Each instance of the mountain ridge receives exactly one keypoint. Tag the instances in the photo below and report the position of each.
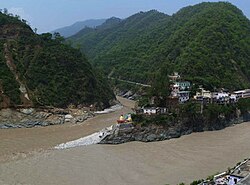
(207, 43)
(70, 30)
(37, 70)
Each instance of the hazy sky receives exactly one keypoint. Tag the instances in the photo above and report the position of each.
(47, 15)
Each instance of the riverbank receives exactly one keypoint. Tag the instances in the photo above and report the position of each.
(137, 131)
(31, 117)
(18, 143)
(184, 159)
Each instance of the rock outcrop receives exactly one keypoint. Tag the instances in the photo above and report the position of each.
(129, 132)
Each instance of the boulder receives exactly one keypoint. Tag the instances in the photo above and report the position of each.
(27, 111)
(68, 117)
(138, 137)
(151, 137)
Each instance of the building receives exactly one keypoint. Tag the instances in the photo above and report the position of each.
(242, 93)
(220, 97)
(162, 110)
(183, 96)
(179, 90)
(174, 77)
(202, 94)
(180, 86)
(175, 89)
(183, 85)
(149, 110)
(233, 98)
(154, 110)
(240, 175)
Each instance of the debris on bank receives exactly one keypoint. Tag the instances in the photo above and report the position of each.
(31, 117)
(98, 137)
(111, 109)
(94, 138)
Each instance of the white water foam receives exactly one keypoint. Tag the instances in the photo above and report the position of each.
(111, 109)
(88, 140)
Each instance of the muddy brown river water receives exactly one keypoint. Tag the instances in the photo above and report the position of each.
(26, 160)
(17, 143)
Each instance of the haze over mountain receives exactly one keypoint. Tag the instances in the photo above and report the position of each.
(36, 70)
(208, 43)
(109, 23)
(76, 27)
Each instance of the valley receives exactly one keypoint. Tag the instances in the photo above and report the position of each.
(174, 87)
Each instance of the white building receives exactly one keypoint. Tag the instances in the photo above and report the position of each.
(233, 98)
(154, 110)
(175, 89)
(174, 77)
(242, 93)
(149, 110)
(220, 97)
(202, 93)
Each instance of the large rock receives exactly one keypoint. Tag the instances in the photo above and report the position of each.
(68, 118)
(27, 111)
(151, 137)
(126, 133)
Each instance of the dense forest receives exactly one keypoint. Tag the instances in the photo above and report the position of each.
(208, 44)
(38, 70)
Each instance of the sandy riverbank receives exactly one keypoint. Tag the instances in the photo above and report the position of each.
(178, 160)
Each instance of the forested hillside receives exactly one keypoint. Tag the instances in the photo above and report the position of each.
(36, 70)
(208, 43)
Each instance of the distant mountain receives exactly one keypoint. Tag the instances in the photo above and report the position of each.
(109, 23)
(36, 70)
(76, 27)
(208, 43)
(122, 39)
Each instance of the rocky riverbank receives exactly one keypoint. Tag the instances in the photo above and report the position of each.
(27, 118)
(129, 132)
(135, 132)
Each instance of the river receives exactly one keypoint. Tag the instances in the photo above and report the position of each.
(27, 158)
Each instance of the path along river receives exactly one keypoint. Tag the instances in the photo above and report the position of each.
(27, 158)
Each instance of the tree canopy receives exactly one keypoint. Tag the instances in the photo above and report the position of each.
(208, 44)
(53, 73)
